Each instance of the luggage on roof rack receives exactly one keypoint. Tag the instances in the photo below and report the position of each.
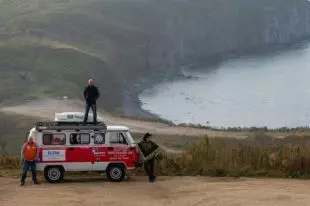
(74, 117)
(70, 126)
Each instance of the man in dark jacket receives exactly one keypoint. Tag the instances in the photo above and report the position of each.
(91, 94)
(149, 149)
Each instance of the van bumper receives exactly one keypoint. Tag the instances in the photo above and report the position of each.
(40, 166)
(138, 164)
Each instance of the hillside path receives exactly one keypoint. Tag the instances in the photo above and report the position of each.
(46, 109)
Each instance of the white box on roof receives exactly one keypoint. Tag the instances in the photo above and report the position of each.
(75, 117)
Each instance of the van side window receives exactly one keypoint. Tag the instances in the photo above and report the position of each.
(99, 138)
(54, 139)
(118, 138)
(79, 138)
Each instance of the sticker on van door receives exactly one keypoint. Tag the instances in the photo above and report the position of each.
(54, 155)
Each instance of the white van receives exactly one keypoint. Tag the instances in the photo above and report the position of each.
(68, 145)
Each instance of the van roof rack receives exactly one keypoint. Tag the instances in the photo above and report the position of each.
(40, 126)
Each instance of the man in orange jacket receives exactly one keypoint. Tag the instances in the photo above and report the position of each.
(30, 155)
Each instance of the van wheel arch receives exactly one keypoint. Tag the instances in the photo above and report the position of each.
(116, 172)
(54, 173)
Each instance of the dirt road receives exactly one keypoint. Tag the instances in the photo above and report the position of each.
(176, 191)
(46, 109)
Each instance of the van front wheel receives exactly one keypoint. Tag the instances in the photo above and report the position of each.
(54, 174)
(115, 173)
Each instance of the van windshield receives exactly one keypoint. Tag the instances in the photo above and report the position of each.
(128, 137)
(120, 138)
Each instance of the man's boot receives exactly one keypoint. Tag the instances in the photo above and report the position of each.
(23, 178)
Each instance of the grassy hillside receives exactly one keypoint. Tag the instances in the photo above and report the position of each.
(38, 72)
(227, 157)
(262, 156)
(15, 128)
(51, 48)
(13, 131)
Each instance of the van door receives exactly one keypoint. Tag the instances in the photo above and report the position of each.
(120, 149)
(99, 149)
(79, 152)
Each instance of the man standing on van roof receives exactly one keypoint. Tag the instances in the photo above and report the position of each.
(30, 154)
(91, 94)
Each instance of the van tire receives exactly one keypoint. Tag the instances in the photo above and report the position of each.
(54, 174)
(115, 172)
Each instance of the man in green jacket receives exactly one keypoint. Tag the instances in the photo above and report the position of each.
(149, 149)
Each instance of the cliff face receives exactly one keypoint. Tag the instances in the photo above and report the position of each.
(125, 42)
(287, 24)
(165, 34)
(207, 28)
